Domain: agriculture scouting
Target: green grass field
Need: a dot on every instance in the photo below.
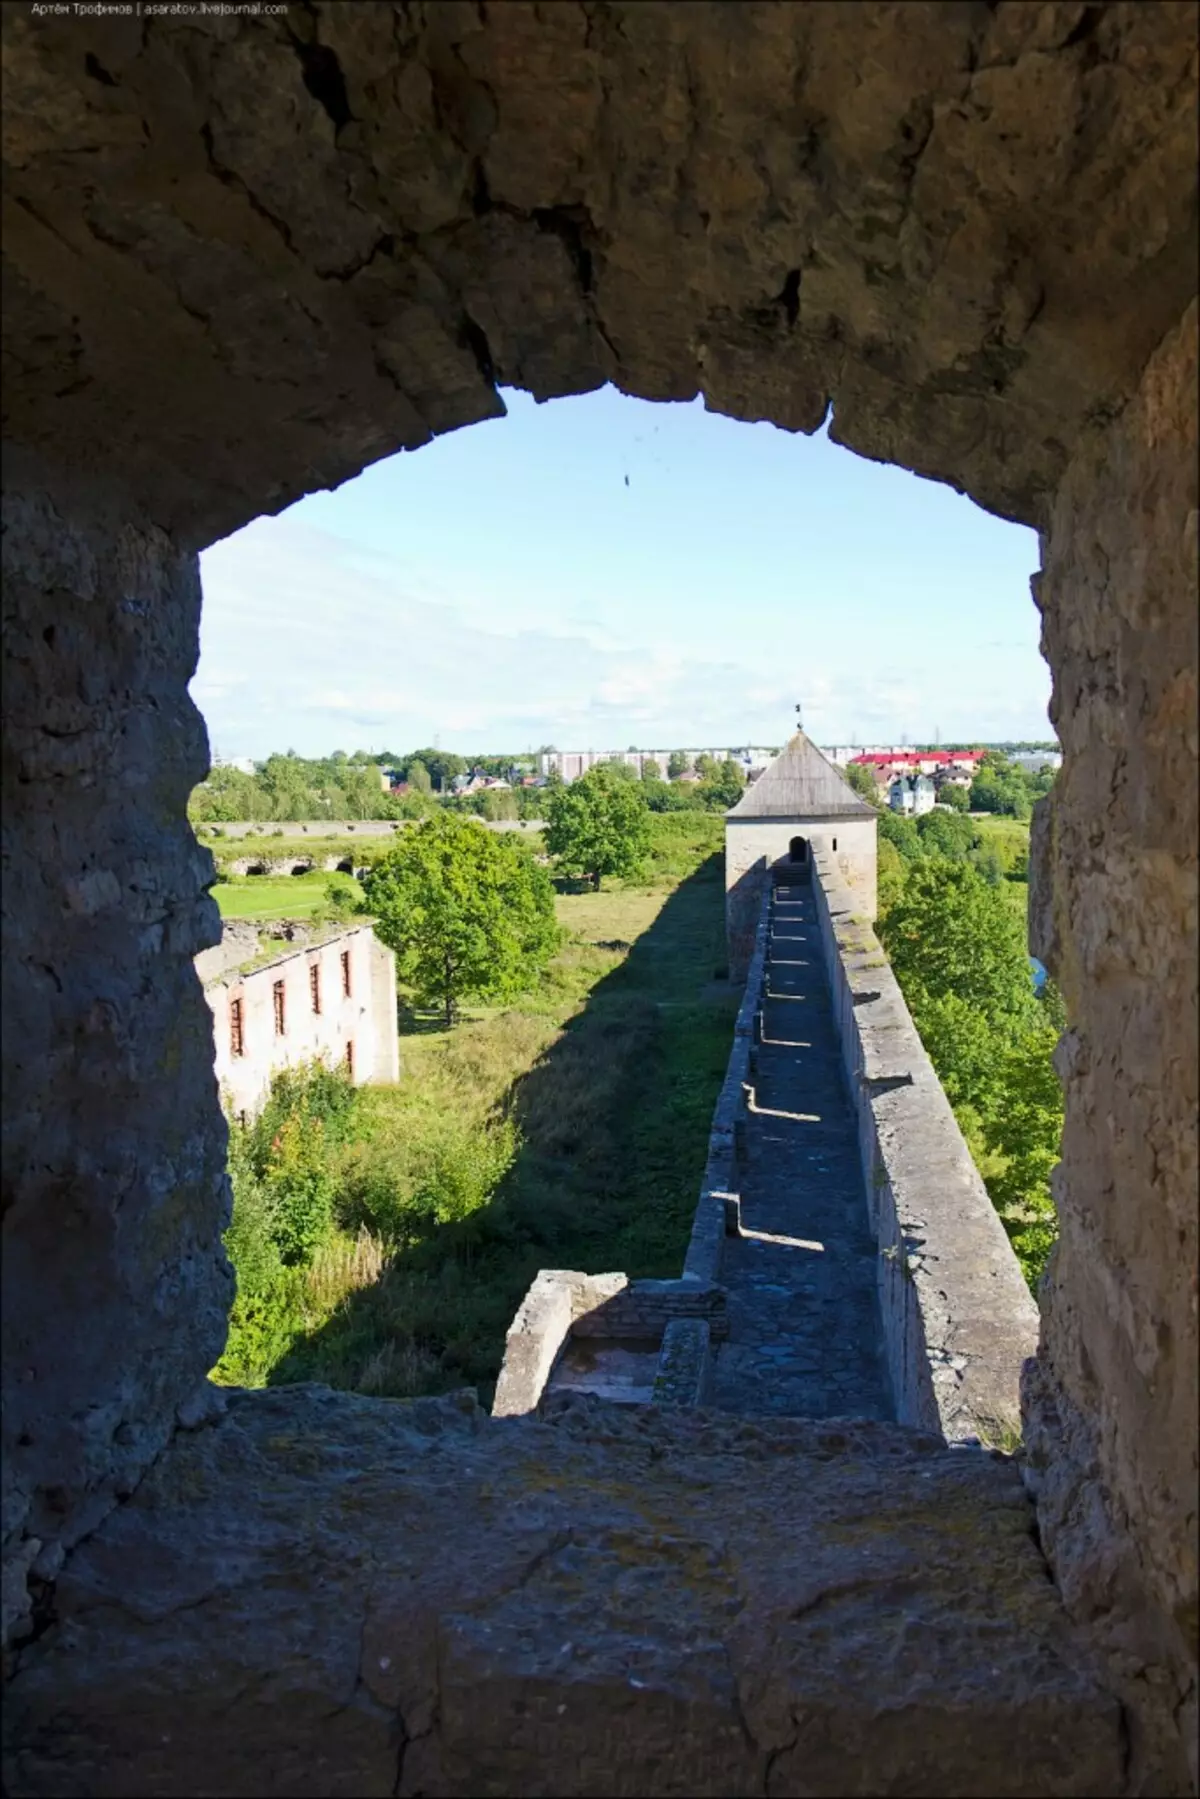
(264, 897)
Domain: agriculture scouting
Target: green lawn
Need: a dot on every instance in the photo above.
(285, 896)
(994, 827)
(608, 1070)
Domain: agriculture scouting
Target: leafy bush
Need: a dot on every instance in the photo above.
(958, 950)
(441, 1169)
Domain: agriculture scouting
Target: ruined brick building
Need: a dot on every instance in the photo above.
(246, 257)
(331, 995)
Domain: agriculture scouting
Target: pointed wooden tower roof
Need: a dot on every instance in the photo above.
(801, 783)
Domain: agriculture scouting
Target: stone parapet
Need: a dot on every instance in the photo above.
(323, 1594)
(563, 1303)
(703, 1259)
(958, 1318)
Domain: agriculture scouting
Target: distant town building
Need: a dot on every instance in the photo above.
(332, 995)
(1034, 761)
(570, 764)
(912, 793)
(924, 762)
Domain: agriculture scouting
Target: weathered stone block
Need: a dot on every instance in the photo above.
(322, 1594)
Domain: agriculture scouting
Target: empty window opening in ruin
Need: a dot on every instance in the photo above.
(237, 1037)
(314, 986)
(279, 998)
(798, 849)
(350, 1060)
(347, 984)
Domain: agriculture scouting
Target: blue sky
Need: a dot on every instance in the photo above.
(598, 572)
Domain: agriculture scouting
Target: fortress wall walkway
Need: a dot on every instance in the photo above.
(805, 1333)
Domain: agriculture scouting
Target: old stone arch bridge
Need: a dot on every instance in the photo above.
(244, 257)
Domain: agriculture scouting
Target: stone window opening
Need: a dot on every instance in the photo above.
(350, 1060)
(347, 985)
(314, 986)
(237, 1034)
(798, 849)
(1083, 429)
(835, 844)
(279, 999)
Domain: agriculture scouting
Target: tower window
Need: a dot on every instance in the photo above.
(280, 1011)
(237, 1038)
(314, 985)
(346, 984)
(835, 843)
(350, 1060)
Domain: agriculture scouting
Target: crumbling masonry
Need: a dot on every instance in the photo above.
(245, 257)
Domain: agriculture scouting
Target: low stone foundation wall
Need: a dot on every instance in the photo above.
(563, 1304)
(684, 1363)
(958, 1318)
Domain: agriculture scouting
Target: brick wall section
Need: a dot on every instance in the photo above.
(958, 1318)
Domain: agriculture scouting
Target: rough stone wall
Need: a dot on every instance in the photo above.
(328, 1597)
(1113, 1401)
(244, 258)
(115, 1285)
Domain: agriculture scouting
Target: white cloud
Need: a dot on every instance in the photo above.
(309, 643)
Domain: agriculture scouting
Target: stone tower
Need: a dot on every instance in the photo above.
(800, 806)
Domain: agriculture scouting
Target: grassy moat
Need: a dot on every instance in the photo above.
(566, 1130)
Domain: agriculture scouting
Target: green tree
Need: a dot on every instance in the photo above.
(894, 828)
(863, 782)
(946, 834)
(597, 825)
(955, 796)
(952, 933)
(468, 912)
(1000, 786)
(890, 870)
(723, 785)
(441, 766)
(677, 764)
(418, 776)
